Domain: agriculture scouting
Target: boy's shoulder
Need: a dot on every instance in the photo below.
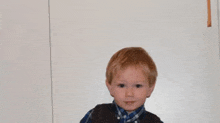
(109, 106)
(152, 117)
(104, 113)
(106, 108)
(94, 113)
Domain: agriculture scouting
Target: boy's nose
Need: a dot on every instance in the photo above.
(129, 92)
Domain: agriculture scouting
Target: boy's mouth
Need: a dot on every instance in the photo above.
(129, 102)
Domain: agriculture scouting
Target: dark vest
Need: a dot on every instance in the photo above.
(105, 113)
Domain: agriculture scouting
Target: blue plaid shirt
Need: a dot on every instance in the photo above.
(121, 114)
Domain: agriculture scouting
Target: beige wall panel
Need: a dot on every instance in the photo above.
(25, 85)
(85, 34)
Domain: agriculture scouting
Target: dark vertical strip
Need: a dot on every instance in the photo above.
(50, 62)
(209, 22)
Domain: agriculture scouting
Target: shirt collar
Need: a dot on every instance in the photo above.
(132, 116)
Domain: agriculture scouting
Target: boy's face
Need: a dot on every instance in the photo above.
(130, 88)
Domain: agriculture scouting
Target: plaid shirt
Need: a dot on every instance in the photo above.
(121, 114)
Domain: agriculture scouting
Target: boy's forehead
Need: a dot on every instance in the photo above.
(131, 77)
(130, 70)
(142, 70)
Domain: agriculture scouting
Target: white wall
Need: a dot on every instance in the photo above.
(175, 33)
(25, 85)
(84, 35)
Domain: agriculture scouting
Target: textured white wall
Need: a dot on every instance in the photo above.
(25, 85)
(85, 34)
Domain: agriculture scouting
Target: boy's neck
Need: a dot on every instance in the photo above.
(128, 112)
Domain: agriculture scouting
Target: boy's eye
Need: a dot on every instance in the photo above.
(138, 85)
(121, 85)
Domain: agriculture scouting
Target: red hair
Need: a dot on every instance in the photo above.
(132, 56)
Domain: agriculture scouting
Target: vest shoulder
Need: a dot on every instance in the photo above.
(104, 113)
(152, 118)
(104, 108)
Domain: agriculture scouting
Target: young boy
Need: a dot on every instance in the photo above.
(130, 78)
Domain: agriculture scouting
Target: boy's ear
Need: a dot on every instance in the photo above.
(109, 87)
(150, 91)
(107, 84)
